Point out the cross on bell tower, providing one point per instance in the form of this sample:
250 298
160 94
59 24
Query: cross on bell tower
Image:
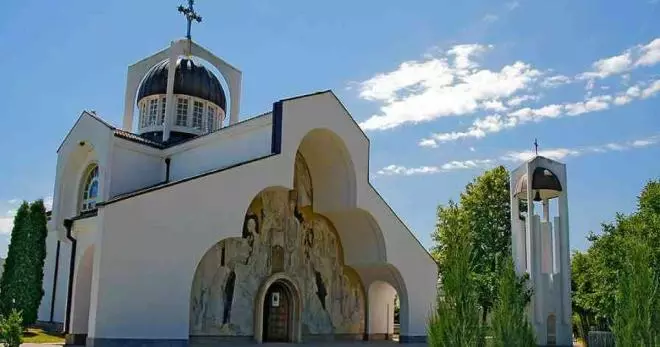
190 14
536 147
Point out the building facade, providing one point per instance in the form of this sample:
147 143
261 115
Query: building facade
187 224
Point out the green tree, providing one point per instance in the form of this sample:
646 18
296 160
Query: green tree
455 321
598 273
637 315
15 278
21 286
486 203
36 259
510 326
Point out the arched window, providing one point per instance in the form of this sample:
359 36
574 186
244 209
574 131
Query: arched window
90 189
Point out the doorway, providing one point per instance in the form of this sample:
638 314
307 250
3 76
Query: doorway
278 314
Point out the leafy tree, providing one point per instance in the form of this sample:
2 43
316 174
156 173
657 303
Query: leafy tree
21 286
456 321
637 316
599 273
510 326
487 207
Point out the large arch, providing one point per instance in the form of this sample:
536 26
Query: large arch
282 234
332 170
334 180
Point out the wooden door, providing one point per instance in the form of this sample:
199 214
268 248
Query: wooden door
277 314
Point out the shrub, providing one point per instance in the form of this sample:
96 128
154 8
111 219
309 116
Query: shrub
510 326
456 320
11 329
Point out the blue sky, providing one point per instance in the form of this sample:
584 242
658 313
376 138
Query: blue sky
445 89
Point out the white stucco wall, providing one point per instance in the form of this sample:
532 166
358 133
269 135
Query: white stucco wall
62 277
155 252
72 160
144 262
231 145
134 167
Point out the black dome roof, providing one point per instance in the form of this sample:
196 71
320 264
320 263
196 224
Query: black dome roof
189 79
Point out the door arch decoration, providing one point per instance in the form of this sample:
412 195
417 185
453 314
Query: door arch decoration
291 294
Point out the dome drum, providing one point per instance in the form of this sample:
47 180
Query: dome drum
189 79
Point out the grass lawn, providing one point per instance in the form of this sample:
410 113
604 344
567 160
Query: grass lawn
35 335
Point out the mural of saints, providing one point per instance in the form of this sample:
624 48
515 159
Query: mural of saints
281 232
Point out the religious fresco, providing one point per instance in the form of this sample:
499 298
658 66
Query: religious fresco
281 232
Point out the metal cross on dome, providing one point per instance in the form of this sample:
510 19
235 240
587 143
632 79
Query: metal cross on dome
190 14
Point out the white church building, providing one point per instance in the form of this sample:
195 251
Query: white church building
188 223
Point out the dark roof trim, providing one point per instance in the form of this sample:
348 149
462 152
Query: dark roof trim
126 135
78 121
276 139
86 214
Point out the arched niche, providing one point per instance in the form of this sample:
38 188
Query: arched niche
382 282
331 169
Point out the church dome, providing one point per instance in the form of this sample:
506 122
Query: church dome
189 79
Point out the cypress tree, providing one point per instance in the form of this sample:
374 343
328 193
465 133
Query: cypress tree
36 258
21 286
15 278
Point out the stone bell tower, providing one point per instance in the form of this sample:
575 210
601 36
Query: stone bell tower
540 246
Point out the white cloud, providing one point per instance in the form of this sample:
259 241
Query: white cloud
651 90
392 170
596 103
472 149
554 81
481 127
560 153
636 56
490 18
512 5
610 66
402 170
650 54
519 100
494 105
556 154
6 224
447 85
519 156
463 53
